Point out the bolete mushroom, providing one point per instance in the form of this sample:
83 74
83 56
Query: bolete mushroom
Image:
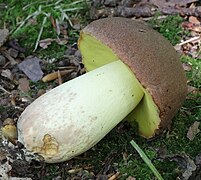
134 73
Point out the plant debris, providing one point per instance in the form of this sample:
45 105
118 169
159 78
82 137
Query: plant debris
193 130
31 67
146 8
3 36
185 162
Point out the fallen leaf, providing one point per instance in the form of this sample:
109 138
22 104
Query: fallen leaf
7 73
3 36
178 47
15 45
55 75
185 162
186 66
196 28
7 55
10 132
46 42
23 84
194 20
2 60
193 130
31 67
13 52
192 89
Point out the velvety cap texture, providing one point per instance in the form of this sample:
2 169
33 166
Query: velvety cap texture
150 56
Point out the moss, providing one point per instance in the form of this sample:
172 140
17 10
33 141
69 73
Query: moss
169 27
194 75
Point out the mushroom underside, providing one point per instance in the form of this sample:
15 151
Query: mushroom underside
96 54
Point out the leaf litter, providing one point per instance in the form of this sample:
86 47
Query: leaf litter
31 67
193 130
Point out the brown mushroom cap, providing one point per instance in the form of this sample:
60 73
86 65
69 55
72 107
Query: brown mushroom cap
150 56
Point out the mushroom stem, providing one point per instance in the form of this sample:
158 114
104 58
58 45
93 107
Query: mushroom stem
91 106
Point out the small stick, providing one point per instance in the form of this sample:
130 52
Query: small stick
40 33
196 38
59 77
54 75
2 88
11 59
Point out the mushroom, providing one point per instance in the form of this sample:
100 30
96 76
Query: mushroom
134 74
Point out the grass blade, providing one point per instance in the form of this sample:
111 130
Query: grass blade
146 160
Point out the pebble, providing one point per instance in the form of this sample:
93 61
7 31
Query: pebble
2 60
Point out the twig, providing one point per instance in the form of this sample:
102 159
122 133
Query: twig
76 2
73 9
59 77
196 38
65 16
11 59
55 75
195 107
2 88
40 33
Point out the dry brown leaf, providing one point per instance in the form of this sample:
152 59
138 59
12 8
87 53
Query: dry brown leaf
24 85
192 89
186 66
193 130
7 55
46 42
115 176
7 73
31 67
185 162
3 36
13 52
9 130
55 75
194 20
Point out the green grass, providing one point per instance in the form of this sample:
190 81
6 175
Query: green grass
170 27
25 19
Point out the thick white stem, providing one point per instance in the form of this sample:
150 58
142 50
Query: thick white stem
79 113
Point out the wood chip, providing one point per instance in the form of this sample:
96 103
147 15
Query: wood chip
193 130
55 75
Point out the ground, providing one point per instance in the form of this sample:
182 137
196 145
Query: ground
48 31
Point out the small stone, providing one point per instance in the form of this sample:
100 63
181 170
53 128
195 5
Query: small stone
3 36
2 60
